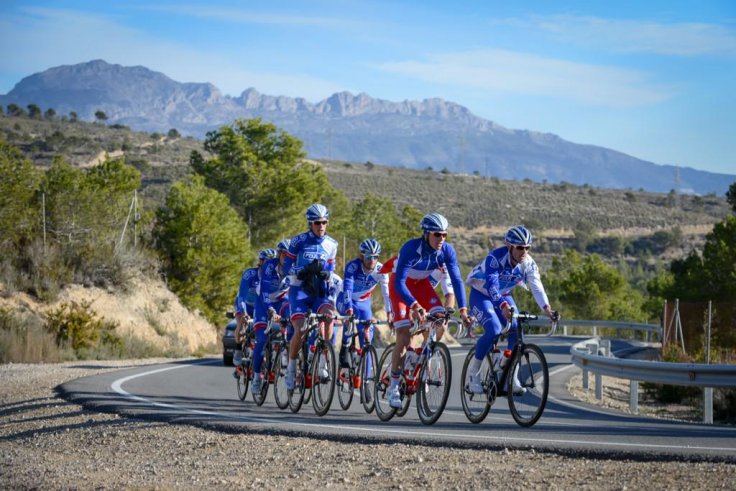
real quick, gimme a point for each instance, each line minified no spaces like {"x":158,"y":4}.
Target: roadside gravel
{"x":46,"y":442}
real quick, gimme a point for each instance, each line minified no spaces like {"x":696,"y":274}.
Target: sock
{"x":474,"y":366}
{"x":292,"y":366}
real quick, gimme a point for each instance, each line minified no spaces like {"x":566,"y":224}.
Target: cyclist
{"x":309,"y":262}
{"x":245,"y":303}
{"x":362,"y":274}
{"x":491,"y":282}
{"x":413,"y":291}
{"x":271,"y":305}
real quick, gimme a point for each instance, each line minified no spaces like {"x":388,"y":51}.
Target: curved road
{"x":203,"y":392}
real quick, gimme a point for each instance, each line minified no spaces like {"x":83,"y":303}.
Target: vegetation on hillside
{"x":207,"y":207}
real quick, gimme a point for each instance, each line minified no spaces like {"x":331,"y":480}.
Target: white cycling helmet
{"x":370,"y":247}
{"x":518,"y":235}
{"x":283,"y":245}
{"x":434,"y":222}
{"x":317,"y":212}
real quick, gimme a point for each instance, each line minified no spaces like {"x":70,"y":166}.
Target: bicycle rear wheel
{"x":367,"y":369}
{"x":381,"y":384}
{"x":528,"y":385}
{"x":280,"y":362}
{"x":260,"y":397}
{"x":477,"y":406}
{"x":296,"y":396}
{"x":434,"y":384}
{"x":323,"y":378}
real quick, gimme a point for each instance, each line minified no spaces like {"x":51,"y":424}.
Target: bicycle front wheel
{"x":242,"y":382}
{"x":381,"y":384}
{"x":281,"y":362}
{"x":477,"y":406}
{"x":528,"y":385}
{"x":367,"y":369}
{"x":323,"y":378}
{"x":260,"y":397}
{"x":296,"y":396}
{"x":344,"y":386}
{"x":434,"y":384}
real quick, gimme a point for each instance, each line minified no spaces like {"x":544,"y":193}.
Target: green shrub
{"x":79,"y":325}
{"x":23,"y":339}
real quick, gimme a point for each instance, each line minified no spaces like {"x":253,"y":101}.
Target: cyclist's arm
{"x":383,"y":283}
{"x":534,"y":280}
{"x":454,"y":270}
{"x":347,"y":287}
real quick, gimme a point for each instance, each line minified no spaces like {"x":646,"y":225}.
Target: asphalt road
{"x":203,"y":392}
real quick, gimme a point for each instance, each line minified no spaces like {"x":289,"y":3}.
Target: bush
{"x":79,"y":325}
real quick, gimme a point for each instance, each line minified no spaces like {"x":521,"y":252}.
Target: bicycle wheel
{"x":434,"y":384}
{"x":323,"y":378}
{"x":366,"y":370}
{"x":280,"y":392}
{"x":260,"y":397}
{"x":381,"y":383}
{"x":242,"y":382}
{"x":296,"y":396}
{"x":477,"y":406}
{"x":344,"y":387}
{"x":528,"y":385}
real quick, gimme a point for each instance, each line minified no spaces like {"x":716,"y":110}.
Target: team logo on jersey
{"x":313,"y":255}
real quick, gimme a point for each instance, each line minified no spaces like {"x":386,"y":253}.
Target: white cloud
{"x":523,"y":73}
{"x":640,"y":36}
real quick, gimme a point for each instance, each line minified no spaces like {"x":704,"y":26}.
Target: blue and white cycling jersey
{"x":495,"y":277}
{"x":358,"y":284}
{"x":305,"y":248}
{"x":273,"y":287}
{"x":417,"y":260}
{"x":246,"y":298}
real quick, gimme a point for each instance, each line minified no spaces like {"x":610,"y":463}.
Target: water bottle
{"x":284,"y":358}
{"x":506,"y":357}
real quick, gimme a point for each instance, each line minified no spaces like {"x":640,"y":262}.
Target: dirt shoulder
{"x":46,"y":442}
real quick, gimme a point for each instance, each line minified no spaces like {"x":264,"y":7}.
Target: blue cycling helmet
{"x":370,"y":247}
{"x":518,"y":235}
{"x":284,"y":245}
{"x":434,"y":222}
{"x":317,"y":212}
{"x":267,"y":254}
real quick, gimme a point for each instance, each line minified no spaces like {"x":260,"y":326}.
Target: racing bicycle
{"x":522,"y":376}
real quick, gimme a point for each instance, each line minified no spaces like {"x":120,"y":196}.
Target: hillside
{"x":478,"y":208}
{"x":414,"y":134}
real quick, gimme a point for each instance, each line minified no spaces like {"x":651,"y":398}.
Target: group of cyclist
{"x":298,"y":277}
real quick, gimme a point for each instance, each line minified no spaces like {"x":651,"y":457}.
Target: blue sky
{"x":654,"y":79}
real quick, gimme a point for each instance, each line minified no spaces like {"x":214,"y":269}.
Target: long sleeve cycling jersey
{"x":417,"y":260}
{"x":438,"y":276}
{"x":495,"y":277}
{"x":358,"y":284}
{"x":334,"y":287}
{"x":273,"y":286}
{"x":247,"y":292}
{"x":305,"y":248}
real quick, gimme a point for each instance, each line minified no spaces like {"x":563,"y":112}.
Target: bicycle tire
{"x":280,"y":393}
{"x":344,"y":386}
{"x":533,"y":375}
{"x":367,"y":369}
{"x":477,"y":406}
{"x":296,"y":395}
{"x":456,"y":329}
{"x":434,"y":385}
{"x":260,"y":397}
{"x":323,"y":389}
{"x":381,"y":383}
{"x":242,"y":383}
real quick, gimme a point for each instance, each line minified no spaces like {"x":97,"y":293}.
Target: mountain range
{"x":432,"y":133}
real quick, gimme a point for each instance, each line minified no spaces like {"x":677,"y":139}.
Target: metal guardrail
{"x":594,"y":325}
{"x":594,"y":355}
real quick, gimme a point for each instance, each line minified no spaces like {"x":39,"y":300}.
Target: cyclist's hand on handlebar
{"x":467,"y":319}
{"x":552,"y":314}
{"x":506,"y":310}
{"x":417,"y":312}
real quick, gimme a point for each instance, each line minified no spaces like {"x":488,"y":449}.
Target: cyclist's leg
{"x":482,"y":309}
{"x":364,"y":312}
{"x":298,"y":304}
{"x":512,"y":334}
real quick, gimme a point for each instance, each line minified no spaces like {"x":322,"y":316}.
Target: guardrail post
{"x":708,"y":405}
{"x":586,"y":385}
{"x":564,"y":330}
{"x":599,"y":386}
{"x":634,"y":396}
